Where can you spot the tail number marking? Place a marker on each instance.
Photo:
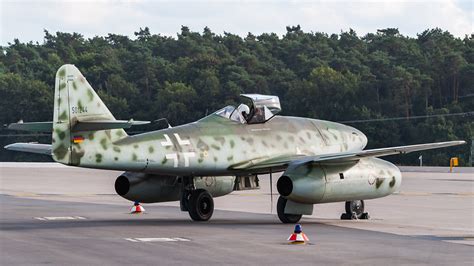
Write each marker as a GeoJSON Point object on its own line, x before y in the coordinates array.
{"type": "Point", "coordinates": [79, 110]}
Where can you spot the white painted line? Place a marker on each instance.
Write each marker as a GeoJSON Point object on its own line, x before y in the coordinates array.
{"type": "Point", "coordinates": [182, 239]}
{"type": "Point", "coordinates": [158, 239]}
{"type": "Point", "coordinates": [60, 218]}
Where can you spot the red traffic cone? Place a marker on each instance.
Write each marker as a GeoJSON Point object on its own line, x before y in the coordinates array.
{"type": "Point", "coordinates": [137, 208]}
{"type": "Point", "coordinates": [298, 237]}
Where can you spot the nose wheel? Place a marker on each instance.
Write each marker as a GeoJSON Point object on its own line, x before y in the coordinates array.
{"type": "Point", "coordinates": [355, 210]}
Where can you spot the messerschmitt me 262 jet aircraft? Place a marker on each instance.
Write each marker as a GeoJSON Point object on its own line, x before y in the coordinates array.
{"type": "Point", "coordinates": [322, 161]}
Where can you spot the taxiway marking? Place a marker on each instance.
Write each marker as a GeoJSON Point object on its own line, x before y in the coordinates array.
{"type": "Point", "coordinates": [59, 218]}
{"type": "Point", "coordinates": [158, 239]}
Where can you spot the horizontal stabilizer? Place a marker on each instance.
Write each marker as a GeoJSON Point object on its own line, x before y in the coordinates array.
{"type": "Point", "coordinates": [30, 147]}
{"type": "Point", "coordinates": [32, 126]}
{"type": "Point", "coordinates": [95, 125]}
{"type": "Point", "coordinates": [80, 126]}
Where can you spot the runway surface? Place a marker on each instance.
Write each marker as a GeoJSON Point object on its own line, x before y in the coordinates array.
{"type": "Point", "coordinates": [51, 214]}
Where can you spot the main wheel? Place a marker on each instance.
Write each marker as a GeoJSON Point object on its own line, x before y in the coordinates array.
{"type": "Point", "coordinates": [356, 207]}
{"type": "Point", "coordinates": [201, 205]}
{"type": "Point", "coordinates": [284, 217]}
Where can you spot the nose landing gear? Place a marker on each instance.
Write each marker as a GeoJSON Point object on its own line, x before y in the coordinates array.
{"type": "Point", "coordinates": [355, 210]}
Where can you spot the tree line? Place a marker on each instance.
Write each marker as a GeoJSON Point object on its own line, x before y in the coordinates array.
{"type": "Point", "coordinates": [338, 77]}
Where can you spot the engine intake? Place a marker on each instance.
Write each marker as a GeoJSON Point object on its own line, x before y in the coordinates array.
{"type": "Point", "coordinates": [284, 186]}
{"type": "Point", "coordinates": [122, 185]}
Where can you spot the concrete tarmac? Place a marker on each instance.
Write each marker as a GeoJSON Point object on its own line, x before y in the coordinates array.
{"type": "Point", "coordinates": [52, 214]}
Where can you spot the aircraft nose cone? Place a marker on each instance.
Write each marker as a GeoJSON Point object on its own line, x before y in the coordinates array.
{"type": "Point", "coordinates": [360, 137]}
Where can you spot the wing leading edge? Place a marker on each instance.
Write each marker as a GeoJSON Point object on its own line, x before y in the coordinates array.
{"type": "Point", "coordinates": [350, 156]}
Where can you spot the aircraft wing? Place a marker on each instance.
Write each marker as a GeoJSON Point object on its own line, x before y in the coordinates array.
{"type": "Point", "coordinates": [347, 156]}
{"type": "Point", "coordinates": [30, 147]}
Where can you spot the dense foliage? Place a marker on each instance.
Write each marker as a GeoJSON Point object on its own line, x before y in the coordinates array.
{"type": "Point", "coordinates": [333, 77]}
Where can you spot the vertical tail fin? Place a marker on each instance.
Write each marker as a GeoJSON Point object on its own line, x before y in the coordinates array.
{"type": "Point", "coordinates": [75, 100]}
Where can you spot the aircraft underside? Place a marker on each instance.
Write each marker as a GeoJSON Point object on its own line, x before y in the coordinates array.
{"type": "Point", "coordinates": [299, 188]}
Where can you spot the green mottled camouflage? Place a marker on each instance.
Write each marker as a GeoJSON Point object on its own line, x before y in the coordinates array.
{"type": "Point", "coordinates": [214, 144]}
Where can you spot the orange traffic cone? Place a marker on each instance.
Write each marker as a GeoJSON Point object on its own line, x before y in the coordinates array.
{"type": "Point", "coordinates": [298, 237]}
{"type": "Point", "coordinates": [137, 208]}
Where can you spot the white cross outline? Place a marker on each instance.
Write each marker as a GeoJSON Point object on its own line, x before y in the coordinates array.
{"type": "Point", "coordinates": [174, 156]}
{"type": "Point", "coordinates": [188, 155]}
{"type": "Point", "coordinates": [180, 141]}
{"type": "Point", "coordinates": [168, 141]}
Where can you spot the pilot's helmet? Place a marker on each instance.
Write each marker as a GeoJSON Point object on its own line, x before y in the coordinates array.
{"type": "Point", "coordinates": [244, 109]}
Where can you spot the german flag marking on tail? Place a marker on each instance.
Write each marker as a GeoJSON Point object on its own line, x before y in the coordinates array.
{"type": "Point", "coordinates": [78, 139]}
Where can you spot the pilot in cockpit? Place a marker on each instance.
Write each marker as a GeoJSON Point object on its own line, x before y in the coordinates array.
{"type": "Point", "coordinates": [262, 109]}
{"type": "Point", "coordinates": [241, 114]}
{"type": "Point", "coordinates": [244, 110]}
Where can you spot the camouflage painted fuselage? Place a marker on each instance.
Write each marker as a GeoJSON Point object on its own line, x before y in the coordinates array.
{"type": "Point", "coordinates": [216, 145]}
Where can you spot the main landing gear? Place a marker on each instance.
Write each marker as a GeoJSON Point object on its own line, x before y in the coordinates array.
{"type": "Point", "coordinates": [285, 217]}
{"type": "Point", "coordinates": [197, 202]}
{"type": "Point", "coordinates": [355, 210]}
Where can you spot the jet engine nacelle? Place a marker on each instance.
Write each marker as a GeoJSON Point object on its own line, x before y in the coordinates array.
{"type": "Point", "coordinates": [148, 188]}
{"type": "Point", "coordinates": [367, 178]}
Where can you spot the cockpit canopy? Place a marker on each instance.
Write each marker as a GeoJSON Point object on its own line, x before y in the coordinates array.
{"type": "Point", "coordinates": [262, 109]}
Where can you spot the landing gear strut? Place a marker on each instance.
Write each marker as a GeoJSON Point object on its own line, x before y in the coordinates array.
{"type": "Point", "coordinates": [285, 217]}
{"type": "Point", "coordinates": [197, 202]}
{"type": "Point", "coordinates": [355, 210]}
